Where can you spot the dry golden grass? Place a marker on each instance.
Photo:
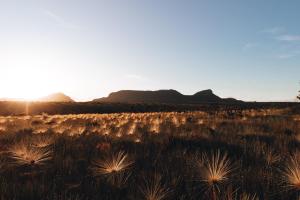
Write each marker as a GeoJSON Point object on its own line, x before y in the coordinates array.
{"type": "Point", "coordinates": [83, 149]}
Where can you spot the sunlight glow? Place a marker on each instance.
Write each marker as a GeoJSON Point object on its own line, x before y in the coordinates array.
{"type": "Point", "coordinates": [28, 74]}
{"type": "Point", "coordinates": [28, 83]}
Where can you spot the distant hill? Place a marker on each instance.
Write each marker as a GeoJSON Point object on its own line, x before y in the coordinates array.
{"type": "Point", "coordinates": [56, 97]}
{"type": "Point", "coordinates": [165, 97]}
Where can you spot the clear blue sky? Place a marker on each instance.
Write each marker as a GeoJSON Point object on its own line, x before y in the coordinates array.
{"type": "Point", "coordinates": [249, 50]}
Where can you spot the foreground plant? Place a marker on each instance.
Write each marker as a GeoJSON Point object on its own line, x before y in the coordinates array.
{"type": "Point", "coordinates": [115, 168]}
{"type": "Point", "coordinates": [24, 154]}
{"type": "Point", "coordinates": [246, 196]}
{"type": "Point", "coordinates": [215, 171]}
{"type": "Point", "coordinates": [291, 173]}
{"type": "Point", "coordinates": [271, 158]}
{"type": "Point", "coordinates": [154, 189]}
{"type": "Point", "coordinates": [42, 141]}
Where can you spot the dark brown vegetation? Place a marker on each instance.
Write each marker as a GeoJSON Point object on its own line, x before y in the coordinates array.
{"type": "Point", "coordinates": [221, 154]}
{"type": "Point", "coordinates": [8, 108]}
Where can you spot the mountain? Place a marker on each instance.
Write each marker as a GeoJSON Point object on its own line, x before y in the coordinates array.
{"type": "Point", "coordinates": [56, 97]}
{"type": "Point", "coordinates": [164, 96]}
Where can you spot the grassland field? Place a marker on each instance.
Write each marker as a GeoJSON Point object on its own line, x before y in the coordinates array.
{"type": "Point", "coordinates": [225, 154]}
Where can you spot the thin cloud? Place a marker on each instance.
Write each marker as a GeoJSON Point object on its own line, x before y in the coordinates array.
{"type": "Point", "coordinates": [289, 55]}
{"type": "Point", "coordinates": [60, 21]}
{"type": "Point", "coordinates": [288, 38]}
{"type": "Point", "coordinates": [250, 45]}
{"type": "Point", "coordinates": [274, 30]}
{"type": "Point", "coordinates": [286, 56]}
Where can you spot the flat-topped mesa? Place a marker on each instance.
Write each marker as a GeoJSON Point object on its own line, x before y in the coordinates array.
{"type": "Point", "coordinates": [163, 96]}
{"type": "Point", "coordinates": [136, 96]}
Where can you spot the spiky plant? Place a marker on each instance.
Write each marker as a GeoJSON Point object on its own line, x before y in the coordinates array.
{"type": "Point", "coordinates": [24, 154]}
{"type": "Point", "coordinates": [154, 189]}
{"type": "Point", "coordinates": [291, 173]}
{"type": "Point", "coordinates": [271, 158]}
{"type": "Point", "coordinates": [230, 193]}
{"type": "Point", "coordinates": [42, 141]}
{"type": "Point", "coordinates": [114, 168]}
{"type": "Point", "coordinates": [245, 196]}
{"type": "Point", "coordinates": [215, 171]}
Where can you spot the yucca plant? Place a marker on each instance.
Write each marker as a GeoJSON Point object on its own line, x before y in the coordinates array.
{"type": "Point", "coordinates": [271, 157]}
{"type": "Point", "coordinates": [154, 189]}
{"type": "Point", "coordinates": [24, 154]}
{"type": "Point", "coordinates": [215, 171]}
{"type": "Point", "coordinates": [291, 174]}
{"type": "Point", "coordinates": [114, 168]}
{"type": "Point", "coordinates": [42, 141]}
{"type": "Point", "coordinates": [245, 196]}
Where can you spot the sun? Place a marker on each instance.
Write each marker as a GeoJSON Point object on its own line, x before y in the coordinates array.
{"type": "Point", "coordinates": [26, 83]}
{"type": "Point", "coordinates": [33, 70]}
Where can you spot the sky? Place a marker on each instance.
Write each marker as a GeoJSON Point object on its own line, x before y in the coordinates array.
{"type": "Point", "coordinates": [86, 49]}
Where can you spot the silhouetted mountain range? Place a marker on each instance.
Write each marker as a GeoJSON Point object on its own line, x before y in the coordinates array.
{"type": "Point", "coordinates": [148, 97]}
{"type": "Point", "coordinates": [164, 96]}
